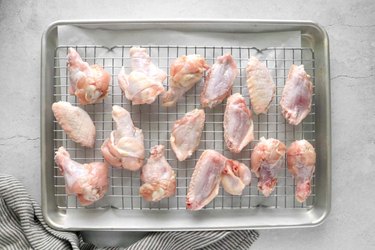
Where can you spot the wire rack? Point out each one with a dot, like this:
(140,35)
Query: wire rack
(157,121)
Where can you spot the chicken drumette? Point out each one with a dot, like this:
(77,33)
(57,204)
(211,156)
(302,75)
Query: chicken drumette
(301,159)
(88,82)
(125,147)
(144,83)
(185,72)
(88,181)
(266,161)
(158,176)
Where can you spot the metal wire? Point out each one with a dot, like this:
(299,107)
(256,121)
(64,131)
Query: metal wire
(157,121)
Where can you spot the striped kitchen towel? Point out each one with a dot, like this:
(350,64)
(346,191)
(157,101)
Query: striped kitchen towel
(22,227)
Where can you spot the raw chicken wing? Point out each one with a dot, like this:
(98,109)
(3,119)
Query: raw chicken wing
(88,181)
(186,134)
(301,159)
(235,177)
(297,95)
(158,177)
(144,83)
(219,81)
(211,169)
(205,181)
(260,84)
(185,72)
(125,147)
(266,161)
(76,123)
(88,83)
(238,123)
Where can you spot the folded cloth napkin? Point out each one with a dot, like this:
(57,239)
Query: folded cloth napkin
(22,227)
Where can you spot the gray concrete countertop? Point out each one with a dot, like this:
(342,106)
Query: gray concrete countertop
(351,29)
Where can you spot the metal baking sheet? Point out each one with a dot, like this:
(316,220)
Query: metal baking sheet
(122,208)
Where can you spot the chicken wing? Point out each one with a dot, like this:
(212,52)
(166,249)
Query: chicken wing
(301,159)
(238,123)
(88,83)
(158,177)
(266,161)
(185,72)
(205,181)
(219,81)
(76,123)
(125,147)
(144,83)
(88,181)
(211,169)
(235,177)
(186,134)
(297,95)
(260,84)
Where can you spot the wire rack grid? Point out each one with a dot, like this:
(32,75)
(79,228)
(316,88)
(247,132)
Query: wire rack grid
(156,123)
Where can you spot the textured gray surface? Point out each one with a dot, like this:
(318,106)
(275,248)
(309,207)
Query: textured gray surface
(351,28)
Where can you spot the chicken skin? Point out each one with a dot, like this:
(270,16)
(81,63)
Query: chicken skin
(260,85)
(144,83)
(297,95)
(185,72)
(158,177)
(88,181)
(76,123)
(211,169)
(301,159)
(266,161)
(186,134)
(219,81)
(125,147)
(238,123)
(89,83)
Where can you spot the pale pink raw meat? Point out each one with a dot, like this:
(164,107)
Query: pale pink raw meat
(88,181)
(301,158)
(145,81)
(297,95)
(76,123)
(186,134)
(238,123)
(185,72)
(235,177)
(266,161)
(219,81)
(125,147)
(205,181)
(88,82)
(158,177)
(260,85)
(211,169)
